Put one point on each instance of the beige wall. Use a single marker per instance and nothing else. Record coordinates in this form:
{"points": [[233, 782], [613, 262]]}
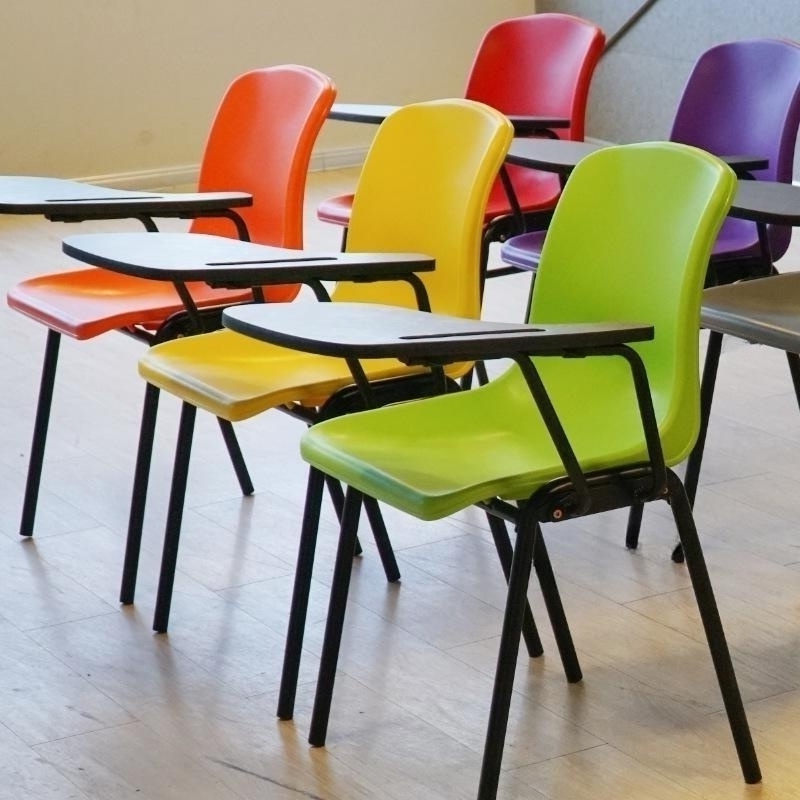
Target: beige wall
{"points": [[109, 87]]}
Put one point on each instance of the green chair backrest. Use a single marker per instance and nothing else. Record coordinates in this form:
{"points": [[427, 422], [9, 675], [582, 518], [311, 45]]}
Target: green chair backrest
{"points": [[630, 240], [423, 189]]}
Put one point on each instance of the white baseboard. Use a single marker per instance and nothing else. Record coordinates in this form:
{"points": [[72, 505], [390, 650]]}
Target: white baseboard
{"points": [[339, 158], [152, 180], [171, 178]]}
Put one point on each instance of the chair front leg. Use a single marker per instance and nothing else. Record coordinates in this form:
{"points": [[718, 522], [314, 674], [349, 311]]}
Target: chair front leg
{"points": [[516, 601], [172, 533], [709, 614], [40, 426], [141, 478], [342, 570], [302, 588]]}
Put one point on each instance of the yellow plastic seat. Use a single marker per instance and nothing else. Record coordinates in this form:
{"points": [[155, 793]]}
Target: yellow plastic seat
{"points": [[562, 434], [423, 189], [260, 142]]}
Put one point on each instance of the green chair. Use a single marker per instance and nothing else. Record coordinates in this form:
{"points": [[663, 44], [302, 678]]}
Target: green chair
{"points": [[555, 438]]}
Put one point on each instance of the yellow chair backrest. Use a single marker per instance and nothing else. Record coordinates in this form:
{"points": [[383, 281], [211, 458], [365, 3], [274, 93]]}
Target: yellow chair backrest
{"points": [[423, 189]]}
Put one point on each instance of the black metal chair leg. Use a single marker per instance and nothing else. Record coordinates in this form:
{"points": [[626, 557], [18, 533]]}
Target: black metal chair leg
{"points": [[692, 476], [40, 426], [336, 610], [505, 552], [555, 609], [794, 369], [235, 453], [337, 498], [507, 660], [302, 588], [172, 533], [382, 542], [635, 514], [141, 478], [720, 655], [713, 352]]}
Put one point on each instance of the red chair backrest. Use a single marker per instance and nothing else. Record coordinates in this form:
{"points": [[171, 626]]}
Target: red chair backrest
{"points": [[539, 64], [261, 142]]}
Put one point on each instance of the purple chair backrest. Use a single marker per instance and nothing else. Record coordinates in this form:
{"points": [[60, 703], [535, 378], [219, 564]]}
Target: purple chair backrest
{"points": [[743, 98]]}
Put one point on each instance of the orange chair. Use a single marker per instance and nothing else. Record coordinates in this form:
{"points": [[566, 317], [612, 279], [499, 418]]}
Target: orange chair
{"points": [[260, 142], [538, 65]]}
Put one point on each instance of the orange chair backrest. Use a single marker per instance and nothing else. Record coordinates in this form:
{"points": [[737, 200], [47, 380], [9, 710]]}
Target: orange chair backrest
{"points": [[541, 64], [261, 142]]}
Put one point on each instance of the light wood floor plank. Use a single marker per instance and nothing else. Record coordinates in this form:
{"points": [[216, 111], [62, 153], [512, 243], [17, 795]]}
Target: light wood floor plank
{"points": [[94, 706]]}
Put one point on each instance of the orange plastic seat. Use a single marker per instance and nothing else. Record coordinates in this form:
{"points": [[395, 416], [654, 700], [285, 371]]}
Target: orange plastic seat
{"points": [[85, 303], [260, 142], [538, 65]]}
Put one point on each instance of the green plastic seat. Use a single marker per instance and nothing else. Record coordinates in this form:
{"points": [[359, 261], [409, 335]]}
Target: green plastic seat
{"points": [[629, 242]]}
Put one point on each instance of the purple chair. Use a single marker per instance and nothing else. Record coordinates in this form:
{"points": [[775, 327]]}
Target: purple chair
{"points": [[741, 98]]}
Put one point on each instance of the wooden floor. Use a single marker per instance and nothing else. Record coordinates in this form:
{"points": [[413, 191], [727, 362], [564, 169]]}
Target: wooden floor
{"points": [[94, 705]]}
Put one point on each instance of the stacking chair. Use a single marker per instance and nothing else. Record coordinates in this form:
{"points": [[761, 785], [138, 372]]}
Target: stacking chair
{"points": [[260, 142], [423, 189], [588, 424], [542, 65], [741, 98]]}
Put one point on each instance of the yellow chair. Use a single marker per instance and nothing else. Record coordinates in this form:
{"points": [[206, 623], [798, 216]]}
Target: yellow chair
{"points": [[423, 188]]}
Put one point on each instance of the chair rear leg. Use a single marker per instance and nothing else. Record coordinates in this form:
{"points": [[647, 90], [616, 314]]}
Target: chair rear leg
{"points": [[692, 475], [235, 454], [507, 659], [172, 533], [635, 514], [141, 478], [555, 609], [302, 588], [336, 610], [720, 655], [481, 375], [40, 427], [794, 370], [505, 552], [381, 536], [337, 498]]}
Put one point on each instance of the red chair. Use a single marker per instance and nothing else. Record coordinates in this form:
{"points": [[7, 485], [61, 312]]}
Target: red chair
{"points": [[260, 142], [538, 65]]}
